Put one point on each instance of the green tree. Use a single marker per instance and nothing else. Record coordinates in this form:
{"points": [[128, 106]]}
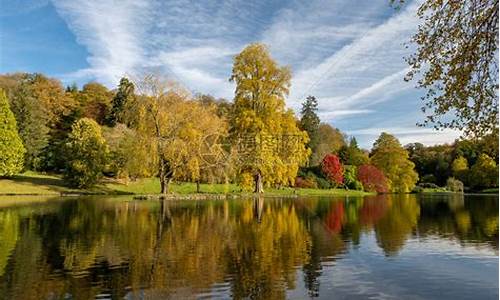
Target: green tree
{"points": [[310, 122], [32, 122], [352, 155], [484, 173], [457, 52], [122, 98], [11, 146], [260, 120], [86, 154], [389, 156]]}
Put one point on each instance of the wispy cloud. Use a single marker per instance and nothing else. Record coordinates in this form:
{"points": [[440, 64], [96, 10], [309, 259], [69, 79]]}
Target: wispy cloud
{"points": [[351, 59]]}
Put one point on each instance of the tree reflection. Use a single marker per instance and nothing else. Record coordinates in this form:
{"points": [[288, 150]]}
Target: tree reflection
{"points": [[86, 247]]}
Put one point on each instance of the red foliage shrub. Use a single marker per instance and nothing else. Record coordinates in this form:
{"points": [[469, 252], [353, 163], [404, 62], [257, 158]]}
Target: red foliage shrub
{"points": [[308, 183], [333, 169], [373, 179]]}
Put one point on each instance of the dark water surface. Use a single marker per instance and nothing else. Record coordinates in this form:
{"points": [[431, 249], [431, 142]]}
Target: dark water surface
{"points": [[378, 247]]}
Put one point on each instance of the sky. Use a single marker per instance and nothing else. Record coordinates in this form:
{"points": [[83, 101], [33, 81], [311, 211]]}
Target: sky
{"points": [[348, 54]]}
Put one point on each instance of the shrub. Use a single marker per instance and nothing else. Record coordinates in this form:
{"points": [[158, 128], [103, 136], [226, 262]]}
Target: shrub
{"points": [[332, 169], [428, 178], [350, 178], [323, 183], [372, 179], [86, 154], [307, 183], [454, 185]]}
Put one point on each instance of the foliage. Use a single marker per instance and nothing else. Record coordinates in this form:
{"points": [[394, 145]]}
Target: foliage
{"points": [[330, 140], [389, 156], [352, 155], [95, 101], [11, 146], [457, 52], [460, 168], [454, 185], [310, 122], [31, 120], [351, 178], [183, 136], [269, 143], [308, 182], [372, 179], [484, 173], [123, 97], [86, 154], [332, 169]]}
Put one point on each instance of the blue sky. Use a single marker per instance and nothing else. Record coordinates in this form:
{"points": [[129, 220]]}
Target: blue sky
{"points": [[349, 54]]}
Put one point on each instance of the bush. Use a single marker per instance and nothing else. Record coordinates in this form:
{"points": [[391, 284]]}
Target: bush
{"points": [[427, 185], [373, 179], [306, 183], [323, 183], [86, 154], [454, 185], [428, 178], [332, 169], [350, 178]]}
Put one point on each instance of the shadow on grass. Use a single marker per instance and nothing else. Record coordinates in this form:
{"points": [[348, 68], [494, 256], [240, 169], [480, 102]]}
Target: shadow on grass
{"points": [[58, 185]]}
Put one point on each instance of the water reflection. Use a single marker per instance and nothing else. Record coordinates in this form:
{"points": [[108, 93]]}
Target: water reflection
{"points": [[254, 248]]}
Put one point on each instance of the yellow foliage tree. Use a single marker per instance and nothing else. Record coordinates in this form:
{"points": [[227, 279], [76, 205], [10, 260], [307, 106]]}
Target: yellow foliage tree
{"points": [[269, 143]]}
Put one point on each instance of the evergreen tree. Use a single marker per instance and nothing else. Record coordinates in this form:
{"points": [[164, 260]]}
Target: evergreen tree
{"points": [[310, 121], [125, 92], [11, 147]]}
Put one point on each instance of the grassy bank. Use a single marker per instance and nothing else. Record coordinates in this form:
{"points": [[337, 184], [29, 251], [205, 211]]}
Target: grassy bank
{"points": [[45, 184]]}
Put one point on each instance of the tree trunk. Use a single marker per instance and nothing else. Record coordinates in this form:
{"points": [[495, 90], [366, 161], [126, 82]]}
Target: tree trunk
{"points": [[197, 187], [164, 178], [259, 185]]}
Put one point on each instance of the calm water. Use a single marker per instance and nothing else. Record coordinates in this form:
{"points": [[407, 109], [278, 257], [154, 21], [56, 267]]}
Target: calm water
{"points": [[379, 247]]}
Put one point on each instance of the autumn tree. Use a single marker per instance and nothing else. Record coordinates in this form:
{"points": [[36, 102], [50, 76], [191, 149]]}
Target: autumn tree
{"points": [[389, 156], [457, 56], [310, 122], [86, 154], [11, 146], [330, 140], [460, 168], [372, 179], [332, 169], [174, 128], [484, 173], [270, 144], [95, 101]]}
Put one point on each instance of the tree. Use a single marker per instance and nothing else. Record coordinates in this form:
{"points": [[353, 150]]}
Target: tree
{"points": [[310, 121], [86, 154], [173, 128], [95, 101], [31, 119], [330, 140], [460, 168], [457, 54], [333, 169], [484, 173], [352, 155], [270, 145], [372, 179], [123, 97], [11, 146], [389, 156]]}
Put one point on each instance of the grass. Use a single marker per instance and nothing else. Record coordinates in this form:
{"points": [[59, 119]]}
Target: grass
{"points": [[47, 184], [490, 191]]}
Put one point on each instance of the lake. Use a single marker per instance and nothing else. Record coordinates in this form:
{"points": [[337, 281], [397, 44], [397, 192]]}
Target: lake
{"points": [[379, 247]]}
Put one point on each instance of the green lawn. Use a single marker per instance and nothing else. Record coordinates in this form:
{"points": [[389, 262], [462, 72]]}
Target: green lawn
{"points": [[45, 184]]}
